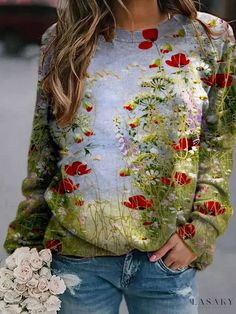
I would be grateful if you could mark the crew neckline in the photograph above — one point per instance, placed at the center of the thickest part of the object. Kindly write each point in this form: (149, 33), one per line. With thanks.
(122, 34)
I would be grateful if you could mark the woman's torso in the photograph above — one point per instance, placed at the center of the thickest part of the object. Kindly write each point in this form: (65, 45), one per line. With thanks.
(129, 178)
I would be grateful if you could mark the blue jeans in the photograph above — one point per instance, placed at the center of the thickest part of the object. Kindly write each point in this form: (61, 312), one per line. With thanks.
(95, 285)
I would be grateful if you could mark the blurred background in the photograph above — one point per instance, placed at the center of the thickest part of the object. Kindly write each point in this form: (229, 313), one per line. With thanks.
(22, 23)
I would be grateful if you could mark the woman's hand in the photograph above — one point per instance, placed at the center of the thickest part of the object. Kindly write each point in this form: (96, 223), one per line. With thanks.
(179, 254)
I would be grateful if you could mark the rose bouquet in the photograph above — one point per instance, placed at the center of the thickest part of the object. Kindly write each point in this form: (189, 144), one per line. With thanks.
(27, 284)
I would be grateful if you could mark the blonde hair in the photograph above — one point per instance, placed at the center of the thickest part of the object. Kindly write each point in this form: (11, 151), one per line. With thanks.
(79, 24)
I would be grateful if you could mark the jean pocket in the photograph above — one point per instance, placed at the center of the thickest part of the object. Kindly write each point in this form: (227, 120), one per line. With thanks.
(166, 268)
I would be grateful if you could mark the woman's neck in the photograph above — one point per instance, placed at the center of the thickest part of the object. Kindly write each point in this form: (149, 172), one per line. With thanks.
(145, 14)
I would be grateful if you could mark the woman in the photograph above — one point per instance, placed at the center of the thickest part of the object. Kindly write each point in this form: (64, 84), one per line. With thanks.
(131, 152)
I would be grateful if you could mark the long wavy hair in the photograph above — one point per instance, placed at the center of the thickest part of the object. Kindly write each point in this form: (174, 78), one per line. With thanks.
(77, 29)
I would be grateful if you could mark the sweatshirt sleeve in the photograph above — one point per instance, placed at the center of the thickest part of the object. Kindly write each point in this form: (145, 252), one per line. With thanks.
(212, 207)
(33, 214)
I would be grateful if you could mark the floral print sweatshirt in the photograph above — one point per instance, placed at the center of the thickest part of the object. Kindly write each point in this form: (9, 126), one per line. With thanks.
(149, 153)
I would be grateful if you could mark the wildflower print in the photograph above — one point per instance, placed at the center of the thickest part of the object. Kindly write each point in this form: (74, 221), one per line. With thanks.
(78, 138)
(77, 168)
(220, 80)
(54, 245)
(124, 172)
(150, 36)
(65, 186)
(178, 60)
(211, 208)
(166, 48)
(187, 231)
(179, 33)
(134, 123)
(139, 161)
(185, 144)
(130, 106)
(180, 178)
(155, 63)
(87, 106)
(88, 132)
(138, 202)
(79, 203)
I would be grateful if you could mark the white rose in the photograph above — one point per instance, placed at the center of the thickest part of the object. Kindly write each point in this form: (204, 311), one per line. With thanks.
(19, 287)
(43, 284)
(1, 295)
(31, 303)
(12, 309)
(10, 262)
(36, 261)
(21, 254)
(5, 284)
(25, 261)
(42, 310)
(53, 303)
(25, 294)
(56, 285)
(5, 272)
(21, 250)
(46, 255)
(44, 296)
(2, 305)
(23, 273)
(12, 296)
(45, 272)
(36, 275)
(34, 293)
(32, 283)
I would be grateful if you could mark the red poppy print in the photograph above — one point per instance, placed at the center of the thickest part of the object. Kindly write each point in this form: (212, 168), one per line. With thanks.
(155, 63)
(89, 133)
(150, 35)
(147, 223)
(133, 123)
(65, 185)
(211, 208)
(124, 172)
(129, 106)
(79, 203)
(77, 168)
(78, 138)
(185, 144)
(180, 178)
(87, 106)
(166, 48)
(167, 181)
(178, 60)
(138, 202)
(220, 80)
(54, 245)
(187, 231)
